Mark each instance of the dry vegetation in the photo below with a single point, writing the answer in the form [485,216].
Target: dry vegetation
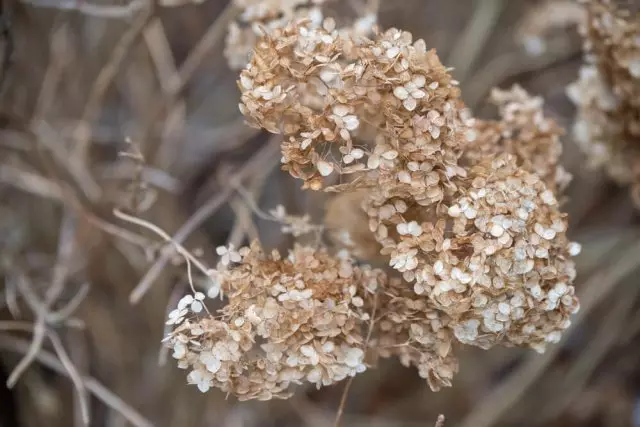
[439,213]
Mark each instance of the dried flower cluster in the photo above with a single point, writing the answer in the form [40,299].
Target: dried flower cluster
[525,132]
[471,235]
[264,16]
[287,321]
[607,92]
[303,319]
[321,89]
[464,211]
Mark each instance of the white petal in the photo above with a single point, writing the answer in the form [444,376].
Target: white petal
[401,93]
[351,122]
[324,168]
[185,301]
[196,306]
[410,103]
[213,291]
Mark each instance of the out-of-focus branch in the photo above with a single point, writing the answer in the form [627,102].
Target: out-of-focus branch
[95,10]
[258,164]
[96,388]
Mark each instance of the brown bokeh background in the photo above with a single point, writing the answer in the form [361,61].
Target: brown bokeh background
[58,185]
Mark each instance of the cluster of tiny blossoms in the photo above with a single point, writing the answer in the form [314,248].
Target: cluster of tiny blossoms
[607,93]
[523,131]
[466,210]
[322,90]
[264,16]
[302,319]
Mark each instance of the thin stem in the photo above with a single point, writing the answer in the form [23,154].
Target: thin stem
[347,387]
[266,155]
[94,386]
[74,375]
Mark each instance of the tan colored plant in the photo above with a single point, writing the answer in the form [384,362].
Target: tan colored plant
[263,16]
[465,212]
[607,93]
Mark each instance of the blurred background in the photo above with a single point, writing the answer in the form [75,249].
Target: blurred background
[84,296]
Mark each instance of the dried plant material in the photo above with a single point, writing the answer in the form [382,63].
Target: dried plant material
[303,319]
[607,92]
[467,212]
[264,16]
[525,132]
[348,225]
[498,239]
[287,321]
[417,333]
[261,16]
[547,16]
[319,89]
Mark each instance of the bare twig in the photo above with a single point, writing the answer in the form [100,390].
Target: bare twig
[30,182]
[606,336]
[510,64]
[45,135]
[244,225]
[96,388]
[49,138]
[31,354]
[154,176]
[66,246]
[166,237]
[347,387]
[470,44]
[66,311]
[211,39]
[160,50]
[74,375]
[178,81]
[255,165]
[90,9]
[82,134]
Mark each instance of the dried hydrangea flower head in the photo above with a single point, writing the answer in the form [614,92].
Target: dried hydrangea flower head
[497,235]
[390,84]
[260,16]
[304,319]
[287,321]
[607,93]
[505,275]
[524,131]
[466,212]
